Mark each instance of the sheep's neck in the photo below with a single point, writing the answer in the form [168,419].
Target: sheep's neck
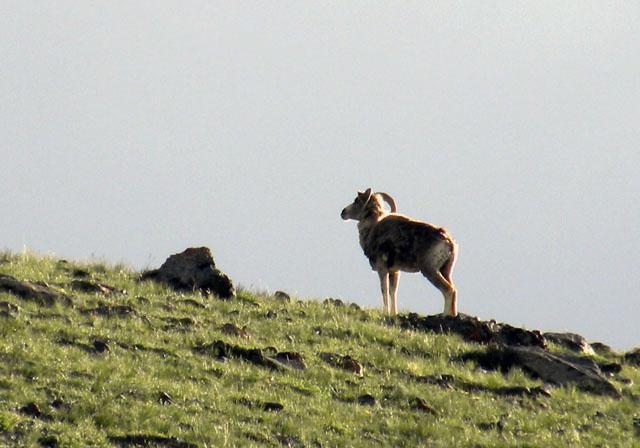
[365,227]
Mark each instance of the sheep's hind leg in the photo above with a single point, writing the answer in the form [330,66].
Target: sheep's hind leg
[384,288]
[447,290]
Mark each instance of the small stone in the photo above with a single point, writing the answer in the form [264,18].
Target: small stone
[633,357]
[100,346]
[31,409]
[600,348]
[143,300]
[10,307]
[291,359]
[343,362]
[422,405]
[59,403]
[349,363]
[165,398]
[80,273]
[48,442]
[234,330]
[194,303]
[282,296]
[91,287]
[273,407]
[366,400]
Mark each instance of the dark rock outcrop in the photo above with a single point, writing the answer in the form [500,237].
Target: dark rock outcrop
[552,368]
[271,359]
[39,293]
[633,357]
[472,329]
[572,341]
[193,269]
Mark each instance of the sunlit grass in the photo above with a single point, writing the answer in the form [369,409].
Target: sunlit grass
[85,396]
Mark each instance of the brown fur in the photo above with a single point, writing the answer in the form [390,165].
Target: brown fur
[393,242]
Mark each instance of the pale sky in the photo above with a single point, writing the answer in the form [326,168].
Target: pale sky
[132,130]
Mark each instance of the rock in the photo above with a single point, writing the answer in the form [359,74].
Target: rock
[572,341]
[80,273]
[142,440]
[610,368]
[601,349]
[343,362]
[180,323]
[101,346]
[553,368]
[452,383]
[421,405]
[31,409]
[366,400]
[194,303]
[334,302]
[472,329]
[39,293]
[272,407]
[105,309]
[633,357]
[164,398]
[48,442]
[92,287]
[234,330]
[143,300]
[291,359]
[8,309]
[290,441]
[193,269]
[268,406]
[221,350]
[282,296]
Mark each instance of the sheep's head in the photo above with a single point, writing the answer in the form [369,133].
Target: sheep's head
[366,204]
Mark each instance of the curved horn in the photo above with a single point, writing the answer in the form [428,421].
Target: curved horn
[389,200]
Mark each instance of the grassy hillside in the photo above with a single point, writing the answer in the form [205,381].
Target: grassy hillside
[141,365]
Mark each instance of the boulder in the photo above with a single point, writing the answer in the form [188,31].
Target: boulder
[552,368]
[472,329]
[193,269]
[572,341]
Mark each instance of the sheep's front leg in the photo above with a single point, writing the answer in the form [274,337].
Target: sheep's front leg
[394,279]
[384,287]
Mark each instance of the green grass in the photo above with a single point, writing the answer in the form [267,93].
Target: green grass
[87,397]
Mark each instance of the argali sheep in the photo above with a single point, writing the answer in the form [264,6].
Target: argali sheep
[394,243]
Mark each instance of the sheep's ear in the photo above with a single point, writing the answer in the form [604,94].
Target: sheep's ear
[366,195]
